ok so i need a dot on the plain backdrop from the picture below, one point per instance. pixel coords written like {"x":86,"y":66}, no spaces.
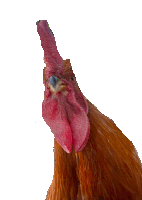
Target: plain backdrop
{"x":103,"y":40}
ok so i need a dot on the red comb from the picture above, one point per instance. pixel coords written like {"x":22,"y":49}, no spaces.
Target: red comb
{"x":52,"y":57}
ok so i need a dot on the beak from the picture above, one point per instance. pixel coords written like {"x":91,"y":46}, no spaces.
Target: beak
{"x":56,"y":85}
{"x":53,"y":81}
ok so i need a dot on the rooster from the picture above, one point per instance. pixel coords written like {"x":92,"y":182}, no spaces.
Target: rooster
{"x":93,"y":159}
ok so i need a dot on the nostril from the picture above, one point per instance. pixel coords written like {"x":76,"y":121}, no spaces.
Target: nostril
{"x":53,"y":80}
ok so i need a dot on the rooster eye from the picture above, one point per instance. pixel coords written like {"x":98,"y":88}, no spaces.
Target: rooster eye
{"x":72,"y":78}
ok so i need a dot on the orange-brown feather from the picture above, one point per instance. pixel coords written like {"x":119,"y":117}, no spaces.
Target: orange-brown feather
{"x":108,"y":168}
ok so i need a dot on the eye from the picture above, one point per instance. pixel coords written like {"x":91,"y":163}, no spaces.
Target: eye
{"x":72,"y":78}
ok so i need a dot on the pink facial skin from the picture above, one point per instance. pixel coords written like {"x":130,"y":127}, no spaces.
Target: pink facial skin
{"x":65,"y":112}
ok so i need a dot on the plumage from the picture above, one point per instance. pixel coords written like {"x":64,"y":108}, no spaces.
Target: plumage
{"x":94,"y":160}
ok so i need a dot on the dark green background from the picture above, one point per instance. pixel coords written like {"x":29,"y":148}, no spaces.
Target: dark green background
{"x":104,"y":44}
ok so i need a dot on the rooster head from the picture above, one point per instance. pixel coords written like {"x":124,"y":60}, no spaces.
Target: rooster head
{"x":64,"y":107}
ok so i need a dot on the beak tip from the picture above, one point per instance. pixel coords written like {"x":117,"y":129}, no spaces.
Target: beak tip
{"x":53,"y":80}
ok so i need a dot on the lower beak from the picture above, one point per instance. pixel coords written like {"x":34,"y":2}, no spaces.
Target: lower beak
{"x":60,"y":86}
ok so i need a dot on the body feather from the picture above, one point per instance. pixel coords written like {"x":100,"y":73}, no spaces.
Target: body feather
{"x":107,"y":168}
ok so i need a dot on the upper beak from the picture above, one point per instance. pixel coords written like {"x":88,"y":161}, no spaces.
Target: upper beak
{"x":56,"y":85}
{"x":53,"y":81}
